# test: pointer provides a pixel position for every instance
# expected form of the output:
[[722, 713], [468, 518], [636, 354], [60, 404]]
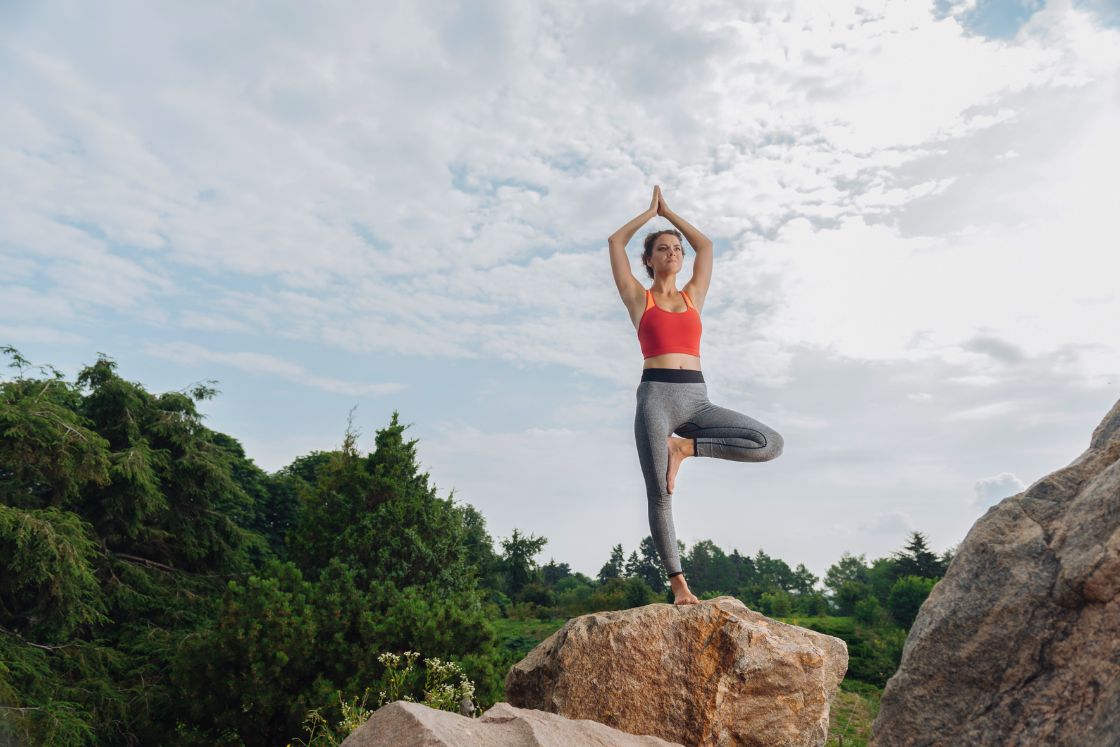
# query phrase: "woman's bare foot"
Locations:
[[679, 450], [681, 593]]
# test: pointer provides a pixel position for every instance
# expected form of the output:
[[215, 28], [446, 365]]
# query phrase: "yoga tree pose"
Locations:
[[672, 396]]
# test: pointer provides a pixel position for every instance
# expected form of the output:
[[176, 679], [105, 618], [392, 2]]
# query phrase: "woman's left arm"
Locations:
[[697, 286]]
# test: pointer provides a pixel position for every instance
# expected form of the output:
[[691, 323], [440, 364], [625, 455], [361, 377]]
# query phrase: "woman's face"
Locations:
[[667, 255]]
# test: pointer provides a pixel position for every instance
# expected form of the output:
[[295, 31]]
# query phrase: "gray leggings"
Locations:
[[672, 400]]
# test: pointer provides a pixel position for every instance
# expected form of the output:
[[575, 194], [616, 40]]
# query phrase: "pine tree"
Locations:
[[632, 562], [517, 560], [649, 567], [917, 560], [613, 568]]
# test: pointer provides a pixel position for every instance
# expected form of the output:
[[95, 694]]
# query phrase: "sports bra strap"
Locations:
[[687, 300], [649, 299]]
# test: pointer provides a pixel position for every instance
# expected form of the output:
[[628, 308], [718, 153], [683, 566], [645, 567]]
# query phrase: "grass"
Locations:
[[853, 711]]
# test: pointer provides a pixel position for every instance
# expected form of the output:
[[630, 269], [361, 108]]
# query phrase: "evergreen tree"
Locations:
[[120, 517], [649, 567], [632, 563], [743, 567], [480, 549], [708, 569], [517, 560], [849, 581], [553, 572], [802, 581], [613, 567], [140, 602], [917, 560], [906, 598]]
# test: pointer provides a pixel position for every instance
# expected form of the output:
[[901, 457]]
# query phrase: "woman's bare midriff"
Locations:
[[673, 360]]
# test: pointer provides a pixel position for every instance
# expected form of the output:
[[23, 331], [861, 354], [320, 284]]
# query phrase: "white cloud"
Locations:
[[991, 490], [33, 333], [267, 365]]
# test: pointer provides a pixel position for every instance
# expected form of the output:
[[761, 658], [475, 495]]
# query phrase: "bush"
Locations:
[[869, 611], [398, 684], [906, 597]]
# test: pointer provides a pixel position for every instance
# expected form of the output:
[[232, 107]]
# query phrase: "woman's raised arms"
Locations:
[[632, 292], [697, 286]]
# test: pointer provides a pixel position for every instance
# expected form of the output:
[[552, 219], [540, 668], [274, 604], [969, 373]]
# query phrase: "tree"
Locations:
[[121, 515], [846, 569], [613, 567], [917, 560], [480, 549], [553, 572], [708, 569], [517, 560], [649, 567], [802, 581], [379, 513], [906, 598], [849, 581], [637, 593], [631, 568]]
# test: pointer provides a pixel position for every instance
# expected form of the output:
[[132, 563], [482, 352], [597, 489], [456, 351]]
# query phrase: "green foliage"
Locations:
[[777, 603], [48, 587], [320, 732], [649, 567], [151, 598], [874, 653], [613, 568], [636, 593], [870, 612], [354, 499], [517, 560], [906, 598], [917, 560], [437, 691], [118, 522], [399, 684]]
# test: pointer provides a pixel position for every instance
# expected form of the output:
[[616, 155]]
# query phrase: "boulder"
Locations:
[[1019, 643], [713, 673], [405, 724]]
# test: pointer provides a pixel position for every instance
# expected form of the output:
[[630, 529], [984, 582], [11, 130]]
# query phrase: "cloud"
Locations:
[[894, 524], [446, 193], [991, 490], [267, 365], [995, 348], [39, 334]]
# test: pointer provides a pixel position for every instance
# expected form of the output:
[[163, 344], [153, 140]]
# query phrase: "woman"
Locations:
[[672, 396]]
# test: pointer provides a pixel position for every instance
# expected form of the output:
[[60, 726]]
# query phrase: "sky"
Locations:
[[377, 206]]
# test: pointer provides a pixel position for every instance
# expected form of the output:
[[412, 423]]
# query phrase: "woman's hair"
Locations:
[[651, 238]]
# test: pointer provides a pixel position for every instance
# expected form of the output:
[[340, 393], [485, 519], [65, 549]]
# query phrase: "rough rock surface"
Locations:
[[1019, 643], [404, 724], [714, 673]]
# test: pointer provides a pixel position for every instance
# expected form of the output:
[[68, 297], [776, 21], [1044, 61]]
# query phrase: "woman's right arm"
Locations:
[[628, 286]]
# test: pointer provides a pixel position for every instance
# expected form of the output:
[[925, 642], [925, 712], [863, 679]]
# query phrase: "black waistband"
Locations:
[[674, 375]]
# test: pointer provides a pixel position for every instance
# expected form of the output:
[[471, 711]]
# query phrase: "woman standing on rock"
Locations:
[[672, 396]]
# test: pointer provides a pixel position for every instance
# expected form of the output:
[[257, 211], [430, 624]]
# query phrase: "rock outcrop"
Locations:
[[1019, 643], [714, 673], [404, 724]]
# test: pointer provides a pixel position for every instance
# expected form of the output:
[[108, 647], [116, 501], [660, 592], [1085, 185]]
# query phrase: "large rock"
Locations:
[[714, 673], [404, 724], [1019, 643]]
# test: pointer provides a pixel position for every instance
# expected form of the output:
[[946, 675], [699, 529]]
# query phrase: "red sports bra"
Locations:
[[661, 331]]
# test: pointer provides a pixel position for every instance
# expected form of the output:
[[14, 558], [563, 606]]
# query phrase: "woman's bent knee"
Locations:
[[777, 443]]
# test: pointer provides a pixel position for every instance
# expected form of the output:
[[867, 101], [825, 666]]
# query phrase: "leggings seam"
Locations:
[[704, 433]]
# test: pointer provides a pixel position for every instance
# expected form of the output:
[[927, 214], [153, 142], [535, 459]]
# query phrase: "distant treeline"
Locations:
[[157, 587]]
